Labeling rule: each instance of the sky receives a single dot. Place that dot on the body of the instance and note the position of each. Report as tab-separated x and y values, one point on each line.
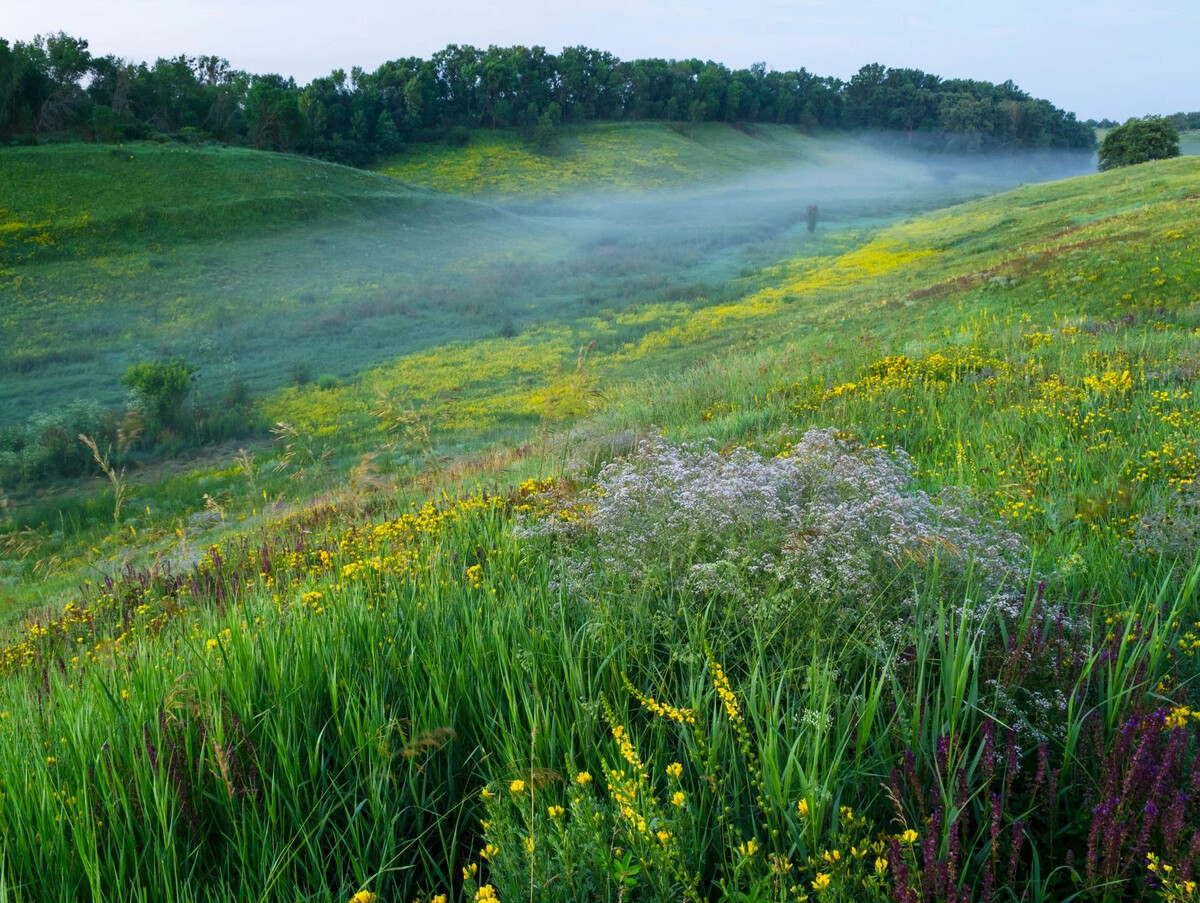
1100	58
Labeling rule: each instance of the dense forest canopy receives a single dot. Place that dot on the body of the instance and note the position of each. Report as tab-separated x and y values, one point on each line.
1181	121
53	87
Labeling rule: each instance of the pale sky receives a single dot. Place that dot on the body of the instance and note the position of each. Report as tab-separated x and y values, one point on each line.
1098	58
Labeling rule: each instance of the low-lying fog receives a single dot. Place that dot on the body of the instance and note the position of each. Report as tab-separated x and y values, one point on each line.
320	298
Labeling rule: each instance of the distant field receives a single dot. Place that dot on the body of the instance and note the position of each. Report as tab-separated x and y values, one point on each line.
268	269
622	156
653	156
248	264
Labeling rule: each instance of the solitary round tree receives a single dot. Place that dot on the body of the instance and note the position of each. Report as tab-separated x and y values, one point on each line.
1139	140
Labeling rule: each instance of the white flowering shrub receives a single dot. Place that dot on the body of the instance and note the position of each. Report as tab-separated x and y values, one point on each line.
825	521
1170	531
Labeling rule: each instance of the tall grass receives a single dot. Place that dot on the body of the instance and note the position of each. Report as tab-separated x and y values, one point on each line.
309	716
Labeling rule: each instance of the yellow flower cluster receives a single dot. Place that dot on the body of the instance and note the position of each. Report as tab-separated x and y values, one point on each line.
662	709
1179	716
728	699
628	753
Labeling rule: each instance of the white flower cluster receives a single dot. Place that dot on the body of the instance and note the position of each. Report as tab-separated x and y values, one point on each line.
825	520
1170	531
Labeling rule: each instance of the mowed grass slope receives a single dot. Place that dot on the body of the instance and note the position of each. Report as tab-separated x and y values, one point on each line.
517	692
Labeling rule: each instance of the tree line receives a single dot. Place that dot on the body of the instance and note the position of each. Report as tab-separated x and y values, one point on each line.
1182	121
53	88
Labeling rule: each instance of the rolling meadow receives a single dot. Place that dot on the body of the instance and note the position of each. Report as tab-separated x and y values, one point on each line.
591	529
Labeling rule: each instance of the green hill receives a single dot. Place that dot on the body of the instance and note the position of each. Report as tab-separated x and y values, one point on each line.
114	254
917	607
80	200
268	269
607	156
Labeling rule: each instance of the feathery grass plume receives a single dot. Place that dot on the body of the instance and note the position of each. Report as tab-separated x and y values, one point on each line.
115	477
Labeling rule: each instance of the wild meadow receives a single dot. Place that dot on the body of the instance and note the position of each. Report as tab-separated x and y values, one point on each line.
868	574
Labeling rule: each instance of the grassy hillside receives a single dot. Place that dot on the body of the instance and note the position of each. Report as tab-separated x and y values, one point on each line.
920	620
622	156
652	156
79	200
266	269
115	255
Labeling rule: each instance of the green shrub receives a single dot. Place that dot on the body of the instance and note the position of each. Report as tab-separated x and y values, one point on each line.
161	388
1139	141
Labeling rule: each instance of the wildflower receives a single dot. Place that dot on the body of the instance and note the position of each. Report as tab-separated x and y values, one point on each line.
831	856
487	892
881	865
487	794
663	836
909	836
679	798
529	845
489	851
555	811
516	787
470	871
748	848
211	644
802	808
627	751
364	896
721	684
674	770
1179	717
440	898
822	881
583	778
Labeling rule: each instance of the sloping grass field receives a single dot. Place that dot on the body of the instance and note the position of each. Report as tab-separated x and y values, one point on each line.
869	574
602	156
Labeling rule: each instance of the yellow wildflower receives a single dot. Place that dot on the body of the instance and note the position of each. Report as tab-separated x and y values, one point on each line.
909	836
487	892
881	865
679	798
516	787
721	685
749	847
470	871
822	881
489	851
674	770
583	778
555	811
364	896
802	808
